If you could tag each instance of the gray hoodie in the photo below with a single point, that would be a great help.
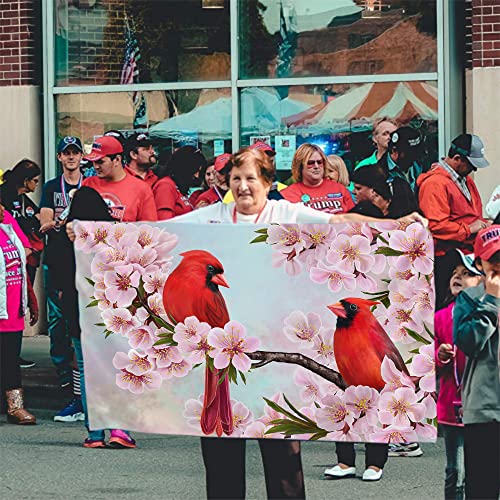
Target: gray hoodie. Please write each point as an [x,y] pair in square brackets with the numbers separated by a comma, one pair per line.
[476,333]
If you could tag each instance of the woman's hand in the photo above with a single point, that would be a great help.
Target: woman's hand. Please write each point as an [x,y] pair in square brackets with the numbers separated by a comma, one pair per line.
[414,217]
[70,231]
[48,226]
[33,314]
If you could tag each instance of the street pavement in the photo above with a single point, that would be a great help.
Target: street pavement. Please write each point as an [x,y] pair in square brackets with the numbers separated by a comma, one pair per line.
[48,460]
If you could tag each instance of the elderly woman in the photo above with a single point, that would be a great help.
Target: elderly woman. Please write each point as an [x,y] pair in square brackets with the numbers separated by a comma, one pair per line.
[312,187]
[250,174]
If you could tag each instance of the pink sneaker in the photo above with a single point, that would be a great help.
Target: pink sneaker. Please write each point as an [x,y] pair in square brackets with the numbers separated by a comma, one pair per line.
[94,443]
[120,439]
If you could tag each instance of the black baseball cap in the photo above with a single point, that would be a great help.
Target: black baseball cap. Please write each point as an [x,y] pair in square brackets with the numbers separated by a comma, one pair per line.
[138,140]
[406,139]
[370,177]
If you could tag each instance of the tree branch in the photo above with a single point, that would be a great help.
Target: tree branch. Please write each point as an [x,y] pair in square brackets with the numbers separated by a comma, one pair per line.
[298,359]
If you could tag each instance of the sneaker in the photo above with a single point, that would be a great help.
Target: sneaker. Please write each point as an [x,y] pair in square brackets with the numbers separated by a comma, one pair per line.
[405,450]
[23,363]
[94,443]
[72,413]
[121,439]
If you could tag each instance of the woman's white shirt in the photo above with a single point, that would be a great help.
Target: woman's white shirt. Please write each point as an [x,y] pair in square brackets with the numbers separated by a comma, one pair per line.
[275,211]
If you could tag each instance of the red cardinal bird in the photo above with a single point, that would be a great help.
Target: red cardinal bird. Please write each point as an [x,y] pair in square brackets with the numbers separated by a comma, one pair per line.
[360,344]
[193,290]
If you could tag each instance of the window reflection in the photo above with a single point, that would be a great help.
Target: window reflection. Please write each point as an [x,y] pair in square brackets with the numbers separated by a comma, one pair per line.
[174,118]
[283,38]
[178,40]
[340,117]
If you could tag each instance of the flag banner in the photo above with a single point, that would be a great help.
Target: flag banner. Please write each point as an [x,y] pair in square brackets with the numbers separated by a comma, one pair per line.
[318,332]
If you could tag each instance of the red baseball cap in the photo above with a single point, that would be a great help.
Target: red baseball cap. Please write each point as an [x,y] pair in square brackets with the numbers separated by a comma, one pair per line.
[263,146]
[104,146]
[487,242]
[221,161]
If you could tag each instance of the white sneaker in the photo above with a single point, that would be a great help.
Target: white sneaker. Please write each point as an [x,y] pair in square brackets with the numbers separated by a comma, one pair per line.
[372,475]
[338,472]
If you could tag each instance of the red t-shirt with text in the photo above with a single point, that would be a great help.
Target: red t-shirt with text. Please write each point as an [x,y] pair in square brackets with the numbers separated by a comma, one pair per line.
[330,196]
[129,200]
[170,202]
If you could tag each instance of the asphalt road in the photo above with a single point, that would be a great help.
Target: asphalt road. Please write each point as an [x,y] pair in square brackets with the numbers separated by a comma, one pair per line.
[48,461]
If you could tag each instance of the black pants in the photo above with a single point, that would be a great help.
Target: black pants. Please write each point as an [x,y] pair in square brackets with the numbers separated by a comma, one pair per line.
[376,454]
[10,372]
[482,460]
[225,468]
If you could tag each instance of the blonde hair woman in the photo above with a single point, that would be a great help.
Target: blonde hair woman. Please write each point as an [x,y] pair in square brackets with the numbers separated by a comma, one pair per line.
[336,170]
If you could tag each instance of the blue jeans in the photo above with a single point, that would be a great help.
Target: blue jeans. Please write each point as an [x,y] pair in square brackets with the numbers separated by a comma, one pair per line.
[454,485]
[97,435]
[61,351]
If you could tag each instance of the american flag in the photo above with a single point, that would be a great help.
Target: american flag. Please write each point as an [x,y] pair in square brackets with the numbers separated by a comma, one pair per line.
[130,74]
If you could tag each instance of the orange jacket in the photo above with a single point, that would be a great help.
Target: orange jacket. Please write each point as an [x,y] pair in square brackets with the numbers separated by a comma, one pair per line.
[449,212]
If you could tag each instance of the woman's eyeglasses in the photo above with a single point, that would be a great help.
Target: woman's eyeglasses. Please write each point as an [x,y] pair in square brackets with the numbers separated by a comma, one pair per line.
[311,163]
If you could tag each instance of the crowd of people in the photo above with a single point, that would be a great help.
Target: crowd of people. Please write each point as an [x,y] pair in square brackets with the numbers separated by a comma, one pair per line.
[122,179]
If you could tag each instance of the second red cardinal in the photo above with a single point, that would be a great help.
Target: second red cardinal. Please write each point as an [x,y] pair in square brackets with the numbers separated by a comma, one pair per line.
[193,290]
[360,344]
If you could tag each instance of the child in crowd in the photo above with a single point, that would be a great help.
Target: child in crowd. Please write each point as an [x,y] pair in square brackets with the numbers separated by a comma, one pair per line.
[476,333]
[450,364]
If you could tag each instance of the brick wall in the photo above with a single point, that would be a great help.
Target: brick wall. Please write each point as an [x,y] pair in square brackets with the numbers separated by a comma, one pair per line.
[19,42]
[485,21]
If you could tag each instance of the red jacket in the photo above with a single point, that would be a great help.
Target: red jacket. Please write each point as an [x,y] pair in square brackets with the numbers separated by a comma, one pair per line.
[448,210]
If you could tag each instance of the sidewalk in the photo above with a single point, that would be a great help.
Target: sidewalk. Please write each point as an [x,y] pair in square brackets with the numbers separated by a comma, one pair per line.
[41,384]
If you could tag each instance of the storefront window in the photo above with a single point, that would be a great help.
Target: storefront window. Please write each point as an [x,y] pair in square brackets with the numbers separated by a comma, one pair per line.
[287,38]
[339,118]
[174,118]
[104,42]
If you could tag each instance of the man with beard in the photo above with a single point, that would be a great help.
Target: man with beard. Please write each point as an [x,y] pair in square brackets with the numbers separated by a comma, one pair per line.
[141,158]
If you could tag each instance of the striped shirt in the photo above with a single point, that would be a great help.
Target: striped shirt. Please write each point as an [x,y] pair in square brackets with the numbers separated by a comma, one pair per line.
[460,181]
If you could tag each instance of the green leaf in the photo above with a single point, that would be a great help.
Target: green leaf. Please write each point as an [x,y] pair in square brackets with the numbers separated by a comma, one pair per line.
[388,252]
[307,419]
[318,435]
[414,335]
[242,375]
[164,341]
[93,303]
[261,231]
[260,239]
[276,407]
[107,333]
[90,282]
[382,239]
[99,324]
[224,374]
[431,335]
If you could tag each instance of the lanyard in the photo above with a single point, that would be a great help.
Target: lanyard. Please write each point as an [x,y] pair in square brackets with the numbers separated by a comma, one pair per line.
[63,189]
[218,194]
[257,218]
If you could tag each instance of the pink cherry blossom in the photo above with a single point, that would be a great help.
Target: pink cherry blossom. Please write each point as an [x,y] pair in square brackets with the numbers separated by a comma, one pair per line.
[336,277]
[230,345]
[133,362]
[362,400]
[322,348]
[416,246]
[430,406]
[334,414]
[136,384]
[394,378]
[118,320]
[256,430]
[366,283]
[140,258]
[242,417]
[164,355]
[286,238]
[103,303]
[318,238]
[421,296]
[426,432]
[192,411]
[107,259]
[394,434]
[290,261]
[155,303]
[197,352]
[121,285]
[351,253]
[142,337]
[356,228]
[394,274]
[119,231]
[346,434]
[154,280]
[423,365]
[178,370]
[190,331]
[400,407]
[301,328]
[311,385]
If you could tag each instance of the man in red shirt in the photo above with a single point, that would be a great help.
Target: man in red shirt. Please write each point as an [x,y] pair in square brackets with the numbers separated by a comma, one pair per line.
[129,199]
[217,192]
[141,158]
